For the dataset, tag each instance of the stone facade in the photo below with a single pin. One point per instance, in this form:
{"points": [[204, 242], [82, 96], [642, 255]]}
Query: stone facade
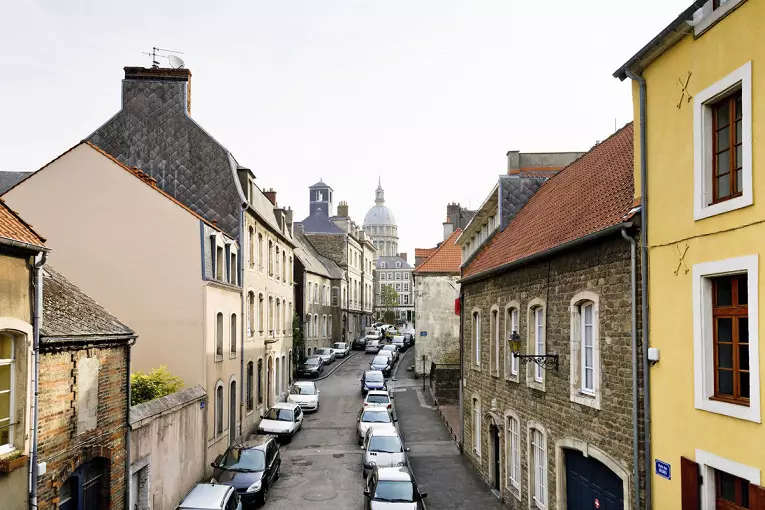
{"points": [[600, 426], [434, 297]]}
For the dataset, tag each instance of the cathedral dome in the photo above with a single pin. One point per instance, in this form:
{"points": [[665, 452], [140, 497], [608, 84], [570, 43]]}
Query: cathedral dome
{"points": [[379, 214]]}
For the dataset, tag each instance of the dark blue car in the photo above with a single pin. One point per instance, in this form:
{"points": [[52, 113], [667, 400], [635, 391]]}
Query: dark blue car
{"points": [[250, 466], [373, 380]]}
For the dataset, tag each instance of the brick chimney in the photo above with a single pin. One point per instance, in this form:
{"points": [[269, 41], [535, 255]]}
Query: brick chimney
{"points": [[403, 256], [163, 85], [342, 209], [271, 196]]}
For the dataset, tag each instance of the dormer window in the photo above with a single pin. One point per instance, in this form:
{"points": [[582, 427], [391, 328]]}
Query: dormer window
{"points": [[382, 265], [398, 264]]}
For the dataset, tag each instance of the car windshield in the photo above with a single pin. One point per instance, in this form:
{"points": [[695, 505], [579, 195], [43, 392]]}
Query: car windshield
{"points": [[339, 346], [400, 492], [380, 360], [303, 389], [374, 342], [385, 444], [238, 459], [373, 377], [311, 361], [398, 340], [388, 348], [378, 399], [321, 350], [279, 414], [375, 417]]}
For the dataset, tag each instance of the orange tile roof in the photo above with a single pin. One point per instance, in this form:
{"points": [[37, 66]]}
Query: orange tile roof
{"points": [[592, 193], [447, 258], [423, 252], [14, 228]]}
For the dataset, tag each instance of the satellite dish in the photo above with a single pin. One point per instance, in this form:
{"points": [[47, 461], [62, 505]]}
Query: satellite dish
{"points": [[175, 62]]}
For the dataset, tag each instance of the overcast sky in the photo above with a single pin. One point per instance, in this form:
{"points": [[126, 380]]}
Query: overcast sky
{"points": [[427, 94]]}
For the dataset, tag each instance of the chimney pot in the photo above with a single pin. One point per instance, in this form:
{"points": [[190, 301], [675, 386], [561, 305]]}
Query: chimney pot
{"points": [[271, 196]]}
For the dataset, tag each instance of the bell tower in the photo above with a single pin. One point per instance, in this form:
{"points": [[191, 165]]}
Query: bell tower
{"points": [[320, 198]]}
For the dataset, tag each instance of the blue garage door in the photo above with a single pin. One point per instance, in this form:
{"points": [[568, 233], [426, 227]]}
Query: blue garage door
{"points": [[591, 485]]}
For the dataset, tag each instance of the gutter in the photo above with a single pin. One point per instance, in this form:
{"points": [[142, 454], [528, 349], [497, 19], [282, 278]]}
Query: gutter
{"points": [[242, 316], [5, 241], [644, 282], [36, 319], [635, 391], [613, 229], [462, 371], [128, 475]]}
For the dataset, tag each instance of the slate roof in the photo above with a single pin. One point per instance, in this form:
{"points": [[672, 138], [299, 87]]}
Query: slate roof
{"points": [[390, 262], [9, 180], [320, 184], [593, 193], [319, 223], [70, 314], [447, 258], [14, 228], [309, 257]]}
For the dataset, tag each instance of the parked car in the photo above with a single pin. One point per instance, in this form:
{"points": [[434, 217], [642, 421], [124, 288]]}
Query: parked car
{"points": [[373, 380], [311, 367], [210, 496], [373, 417], [382, 448], [373, 346], [304, 394], [373, 335], [393, 349], [341, 349], [393, 488], [409, 338], [382, 363], [379, 398], [399, 341], [387, 354], [359, 343], [283, 419], [250, 467], [326, 354]]}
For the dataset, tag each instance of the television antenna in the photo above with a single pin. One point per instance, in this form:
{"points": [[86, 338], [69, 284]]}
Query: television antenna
{"points": [[174, 61]]}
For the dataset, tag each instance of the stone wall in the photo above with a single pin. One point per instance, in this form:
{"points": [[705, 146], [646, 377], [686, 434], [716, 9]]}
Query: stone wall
{"points": [[434, 297], [445, 382], [66, 437], [603, 269], [331, 246]]}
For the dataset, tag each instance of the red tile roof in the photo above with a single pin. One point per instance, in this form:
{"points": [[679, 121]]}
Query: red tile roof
{"points": [[14, 228], [592, 193], [447, 258], [423, 252]]}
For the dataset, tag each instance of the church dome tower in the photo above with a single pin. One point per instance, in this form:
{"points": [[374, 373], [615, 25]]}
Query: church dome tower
{"points": [[380, 226]]}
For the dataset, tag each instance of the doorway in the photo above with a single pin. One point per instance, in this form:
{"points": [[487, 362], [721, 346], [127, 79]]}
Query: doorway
{"points": [[591, 484], [86, 488], [232, 414], [495, 460]]}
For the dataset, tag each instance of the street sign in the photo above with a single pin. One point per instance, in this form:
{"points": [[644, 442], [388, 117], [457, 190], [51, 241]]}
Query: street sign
{"points": [[663, 469], [423, 333]]}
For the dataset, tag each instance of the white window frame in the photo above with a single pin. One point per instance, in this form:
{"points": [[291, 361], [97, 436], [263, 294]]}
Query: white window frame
{"points": [[536, 342], [219, 335], [495, 347], [219, 410], [476, 315], [703, 355], [702, 144], [9, 446], [477, 426], [708, 462], [578, 392], [512, 323], [538, 464], [513, 454]]}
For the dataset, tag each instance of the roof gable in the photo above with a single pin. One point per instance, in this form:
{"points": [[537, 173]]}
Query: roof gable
{"points": [[447, 258], [16, 229]]}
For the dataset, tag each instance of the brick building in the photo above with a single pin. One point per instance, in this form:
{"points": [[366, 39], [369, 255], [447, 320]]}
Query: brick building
{"points": [[84, 401], [557, 273]]}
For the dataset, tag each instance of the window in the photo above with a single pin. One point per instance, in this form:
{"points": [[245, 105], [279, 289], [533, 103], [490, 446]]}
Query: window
{"points": [[310, 289], [270, 316], [382, 276], [398, 276], [725, 337], [220, 259], [260, 313], [398, 264], [251, 244], [284, 266], [382, 264], [324, 326], [276, 263], [292, 272], [727, 484], [406, 299], [477, 339], [335, 296], [722, 117], [731, 492], [398, 287], [494, 329], [260, 381], [250, 377], [513, 453], [316, 325], [511, 326], [219, 409], [316, 293], [588, 348], [233, 335], [406, 276], [250, 313], [7, 371], [232, 270], [260, 252], [477, 427], [219, 336], [406, 287], [390, 276], [538, 468], [585, 350], [278, 318], [308, 326], [330, 326], [539, 340], [717, 3], [270, 258]]}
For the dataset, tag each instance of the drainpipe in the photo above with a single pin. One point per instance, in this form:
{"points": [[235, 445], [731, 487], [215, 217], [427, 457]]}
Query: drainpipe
{"points": [[36, 314], [462, 373], [128, 476], [242, 315], [635, 402], [644, 283]]}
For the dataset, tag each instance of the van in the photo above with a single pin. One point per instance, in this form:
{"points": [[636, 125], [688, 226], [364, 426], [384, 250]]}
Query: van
{"points": [[209, 496]]}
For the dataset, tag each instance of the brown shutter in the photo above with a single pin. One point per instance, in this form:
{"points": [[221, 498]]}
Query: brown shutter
{"points": [[756, 497], [690, 483]]}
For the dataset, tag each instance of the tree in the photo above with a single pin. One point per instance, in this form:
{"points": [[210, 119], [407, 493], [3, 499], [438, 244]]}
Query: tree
{"points": [[157, 383], [298, 341], [389, 300]]}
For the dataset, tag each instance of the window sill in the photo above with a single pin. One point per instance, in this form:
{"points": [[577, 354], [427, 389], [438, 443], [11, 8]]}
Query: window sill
{"points": [[586, 399], [514, 378], [232, 355], [218, 358], [732, 204], [515, 490]]}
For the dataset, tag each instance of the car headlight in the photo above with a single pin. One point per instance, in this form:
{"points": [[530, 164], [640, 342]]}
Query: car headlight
{"points": [[255, 487]]}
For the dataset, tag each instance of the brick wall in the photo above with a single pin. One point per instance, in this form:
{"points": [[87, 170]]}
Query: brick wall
{"points": [[61, 447], [602, 268]]}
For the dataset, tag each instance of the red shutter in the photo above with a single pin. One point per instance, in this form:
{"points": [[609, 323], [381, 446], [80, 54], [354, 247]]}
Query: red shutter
{"points": [[690, 484], [756, 497], [457, 306]]}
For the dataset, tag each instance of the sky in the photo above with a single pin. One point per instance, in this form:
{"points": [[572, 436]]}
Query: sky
{"points": [[426, 95]]}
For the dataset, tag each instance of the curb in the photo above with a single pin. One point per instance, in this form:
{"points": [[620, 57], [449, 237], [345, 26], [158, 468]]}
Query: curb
{"points": [[338, 365]]}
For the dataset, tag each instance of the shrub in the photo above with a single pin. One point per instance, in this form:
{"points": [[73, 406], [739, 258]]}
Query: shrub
{"points": [[157, 383]]}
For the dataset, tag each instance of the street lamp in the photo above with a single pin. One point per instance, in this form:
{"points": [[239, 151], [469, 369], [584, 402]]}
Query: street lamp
{"points": [[545, 361]]}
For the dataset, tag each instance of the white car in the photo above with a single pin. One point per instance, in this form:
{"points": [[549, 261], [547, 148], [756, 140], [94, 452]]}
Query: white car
{"points": [[373, 417], [379, 398], [341, 349], [305, 394], [382, 448], [326, 354], [283, 420]]}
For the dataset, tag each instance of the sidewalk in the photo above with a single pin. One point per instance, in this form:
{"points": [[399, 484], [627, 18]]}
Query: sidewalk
{"points": [[446, 476]]}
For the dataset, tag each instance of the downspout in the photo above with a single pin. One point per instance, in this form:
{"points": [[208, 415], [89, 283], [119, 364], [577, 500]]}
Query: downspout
{"points": [[36, 314], [462, 370], [242, 316], [128, 475], [644, 284], [635, 401]]}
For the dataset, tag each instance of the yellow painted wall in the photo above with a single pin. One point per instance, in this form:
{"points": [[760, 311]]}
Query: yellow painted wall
{"points": [[678, 429]]}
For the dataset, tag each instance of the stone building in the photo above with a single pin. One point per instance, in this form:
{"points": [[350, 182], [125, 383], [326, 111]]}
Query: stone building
{"points": [[556, 427], [436, 288], [395, 272], [84, 401]]}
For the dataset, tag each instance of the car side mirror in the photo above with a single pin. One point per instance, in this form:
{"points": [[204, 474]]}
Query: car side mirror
{"points": [[216, 461], [406, 449], [366, 492], [362, 447], [423, 495], [395, 420]]}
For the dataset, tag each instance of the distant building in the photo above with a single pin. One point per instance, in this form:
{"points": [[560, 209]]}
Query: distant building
{"points": [[395, 272], [380, 225]]}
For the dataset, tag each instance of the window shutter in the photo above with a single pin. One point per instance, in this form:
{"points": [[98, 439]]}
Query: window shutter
{"points": [[690, 483], [756, 497]]}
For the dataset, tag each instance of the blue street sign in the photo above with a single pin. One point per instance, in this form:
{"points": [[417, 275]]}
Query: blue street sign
{"points": [[663, 469], [201, 404], [423, 333]]}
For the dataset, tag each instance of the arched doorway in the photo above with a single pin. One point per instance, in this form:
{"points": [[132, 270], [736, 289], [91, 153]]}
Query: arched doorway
{"points": [[269, 383], [591, 484], [278, 380], [232, 414], [496, 475], [87, 488]]}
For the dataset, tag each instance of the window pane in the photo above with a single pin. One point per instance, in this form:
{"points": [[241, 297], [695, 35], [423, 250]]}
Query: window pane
{"points": [[723, 139], [724, 292], [743, 330], [5, 347], [738, 131], [725, 382], [725, 355], [727, 485], [725, 329], [588, 378], [738, 106], [723, 116], [744, 384], [743, 290], [738, 156], [739, 181]]}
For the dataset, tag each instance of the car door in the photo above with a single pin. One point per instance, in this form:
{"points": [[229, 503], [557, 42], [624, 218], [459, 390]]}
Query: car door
{"points": [[298, 418], [271, 450]]}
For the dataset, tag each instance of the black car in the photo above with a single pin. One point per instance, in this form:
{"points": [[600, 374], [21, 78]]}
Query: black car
{"points": [[408, 339], [311, 367], [372, 380], [250, 466], [359, 343], [399, 340]]}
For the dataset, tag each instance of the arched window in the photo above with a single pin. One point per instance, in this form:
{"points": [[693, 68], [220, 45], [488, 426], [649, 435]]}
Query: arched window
{"points": [[232, 405], [276, 262], [250, 383], [260, 314], [251, 239], [285, 377], [250, 313], [513, 452], [278, 318], [284, 266], [233, 334], [291, 319], [494, 340], [308, 326], [330, 326], [277, 377], [219, 409], [260, 252], [316, 325], [316, 293], [289, 372], [585, 349], [270, 258], [511, 326], [270, 316], [538, 466], [324, 326], [292, 272], [477, 427], [219, 336], [537, 340], [260, 381], [477, 339], [310, 290]]}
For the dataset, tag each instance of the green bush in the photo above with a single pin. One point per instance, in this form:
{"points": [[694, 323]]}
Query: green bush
{"points": [[157, 383]]}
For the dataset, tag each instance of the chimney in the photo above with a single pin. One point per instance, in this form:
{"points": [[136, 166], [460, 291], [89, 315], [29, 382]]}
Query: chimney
{"points": [[448, 228], [513, 162], [271, 196], [403, 256], [342, 209], [174, 83]]}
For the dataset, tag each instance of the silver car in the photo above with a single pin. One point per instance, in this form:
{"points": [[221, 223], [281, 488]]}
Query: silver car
{"points": [[373, 417], [326, 354], [373, 346], [208, 496], [393, 349], [382, 448], [392, 488]]}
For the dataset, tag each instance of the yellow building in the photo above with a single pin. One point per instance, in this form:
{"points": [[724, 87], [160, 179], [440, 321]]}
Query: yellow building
{"points": [[694, 86]]}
